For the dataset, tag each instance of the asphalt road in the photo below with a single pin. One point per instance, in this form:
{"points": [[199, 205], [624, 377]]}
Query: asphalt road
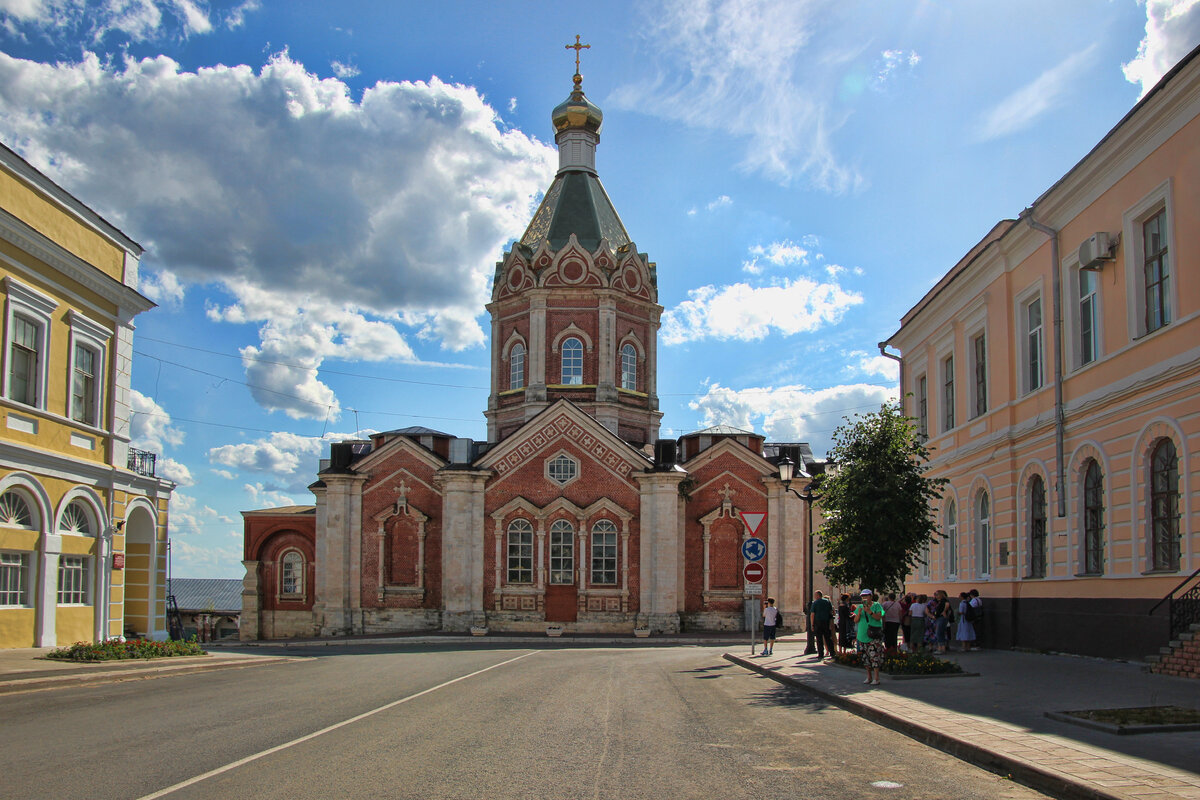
{"points": [[675, 722]]}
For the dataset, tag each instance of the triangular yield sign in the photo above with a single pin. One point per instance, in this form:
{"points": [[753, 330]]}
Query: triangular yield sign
{"points": [[753, 520]]}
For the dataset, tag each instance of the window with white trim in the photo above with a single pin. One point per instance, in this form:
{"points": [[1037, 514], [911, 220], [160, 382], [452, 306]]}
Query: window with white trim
{"points": [[77, 519], [520, 551], [572, 362], [89, 340], [950, 545], [1156, 271], [516, 367], [14, 579], [1088, 322], [1164, 507], [604, 552], [1034, 366], [14, 511], [291, 574], [629, 367], [562, 553], [983, 523], [27, 344], [1093, 519], [923, 407], [562, 469], [73, 580], [979, 370], [948, 393], [1147, 234], [1037, 527]]}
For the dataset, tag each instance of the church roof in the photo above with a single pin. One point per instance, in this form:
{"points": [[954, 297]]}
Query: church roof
{"points": [[575, 203], [414, 430], [208, 594]]}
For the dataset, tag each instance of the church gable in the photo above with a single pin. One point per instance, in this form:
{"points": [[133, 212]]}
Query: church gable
{"points": [[559, 424]]}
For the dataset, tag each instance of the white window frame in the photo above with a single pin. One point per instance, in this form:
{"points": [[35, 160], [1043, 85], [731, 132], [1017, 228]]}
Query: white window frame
{"points": [[89, 335], [519, 551], [562, 553], [947, 406], [89, 514], [79, 593], [516, 366], [1075, 316], [974, 411], [558, 461], [950, 549], [575, 375], [1135, 279], [283, 574], [983, 534], [921, 398], [604, 552], [1027, 344], [629, 367], [36, 308], [15, 565]]}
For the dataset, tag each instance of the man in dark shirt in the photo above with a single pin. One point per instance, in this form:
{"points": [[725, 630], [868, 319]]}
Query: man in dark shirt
{"points": [[820, 620]]}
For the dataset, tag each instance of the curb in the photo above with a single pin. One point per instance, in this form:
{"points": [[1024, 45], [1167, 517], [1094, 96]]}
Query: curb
{"points": [[1015, 769], [479, 641], [47, 682]]}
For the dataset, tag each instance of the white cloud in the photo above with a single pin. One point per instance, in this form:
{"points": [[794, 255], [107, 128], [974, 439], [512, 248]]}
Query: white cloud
{"points": [[345, 71], [174, 470], [746, 313], [395, 206], [723, 201], [150, 426], [778, 254], [289, 459], [224, 473], [890, 63], [161, 286], [194, 560], [794, 413], [752, 69], [1019, 110], [264, 497], [1172, 31], [187, 516], [886, 368], [135, 20]]}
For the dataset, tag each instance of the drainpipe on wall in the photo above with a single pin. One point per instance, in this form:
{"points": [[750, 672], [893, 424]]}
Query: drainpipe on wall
{"points": [[899, 360], [1059, 416]]}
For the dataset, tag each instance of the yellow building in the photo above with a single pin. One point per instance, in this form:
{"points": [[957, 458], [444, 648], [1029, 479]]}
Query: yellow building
{"points": [[1056, 373], [83, 519]]}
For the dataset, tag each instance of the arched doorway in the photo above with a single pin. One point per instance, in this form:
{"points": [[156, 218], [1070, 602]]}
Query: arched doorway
{"points": [[141, 575]]}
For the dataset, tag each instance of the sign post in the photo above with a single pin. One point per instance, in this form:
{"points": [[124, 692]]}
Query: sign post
{"points": [[754, 550]]}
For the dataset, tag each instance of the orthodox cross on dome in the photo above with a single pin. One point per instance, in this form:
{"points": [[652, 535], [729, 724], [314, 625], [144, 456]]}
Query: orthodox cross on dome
{"points": [[577, 47]]}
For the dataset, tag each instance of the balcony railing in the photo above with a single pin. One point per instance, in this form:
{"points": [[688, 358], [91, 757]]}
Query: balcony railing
{"points": [[142, 462]]}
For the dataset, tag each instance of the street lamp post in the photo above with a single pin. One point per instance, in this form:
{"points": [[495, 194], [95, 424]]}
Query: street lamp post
{"points": [[787, 469]]}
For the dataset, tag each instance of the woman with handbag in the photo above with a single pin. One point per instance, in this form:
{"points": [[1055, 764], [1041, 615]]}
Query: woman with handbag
{"points": [[869, 619]]}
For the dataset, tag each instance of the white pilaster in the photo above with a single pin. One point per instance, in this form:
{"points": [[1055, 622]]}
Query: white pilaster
{"points": [[463, 533], [661, 550], [47, 606]]}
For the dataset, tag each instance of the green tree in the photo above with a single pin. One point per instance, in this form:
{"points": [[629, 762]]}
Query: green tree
{"points": [[877, 502]]}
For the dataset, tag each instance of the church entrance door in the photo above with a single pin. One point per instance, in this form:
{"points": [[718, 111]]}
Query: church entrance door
{"points": [[561, 597]]}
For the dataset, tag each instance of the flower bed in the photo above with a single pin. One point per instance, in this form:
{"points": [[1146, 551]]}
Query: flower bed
{"points": [[116, 650], [898, 663]]}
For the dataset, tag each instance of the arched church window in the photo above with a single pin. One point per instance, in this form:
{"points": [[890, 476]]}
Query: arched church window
{"points": [[291, 574], [1093, 519], [572, 362], [516, 367], [629, 367], [520, 551]]}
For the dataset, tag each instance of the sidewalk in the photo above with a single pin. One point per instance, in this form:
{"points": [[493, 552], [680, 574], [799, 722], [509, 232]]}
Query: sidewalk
{"points": [[27, 670], [997, 720]]}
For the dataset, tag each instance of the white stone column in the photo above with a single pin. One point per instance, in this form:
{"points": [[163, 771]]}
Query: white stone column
{"points": [[606, 328], [339, 545], [464, 529], [250, 625], [536, 356], [661, 550], [47, 600], [786, 557]]}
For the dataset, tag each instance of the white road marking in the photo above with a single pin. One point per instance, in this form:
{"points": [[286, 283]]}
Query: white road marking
{"points": [[243, 761]]}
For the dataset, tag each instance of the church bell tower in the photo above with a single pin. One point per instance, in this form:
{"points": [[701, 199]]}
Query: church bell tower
{"points": [[574, 308]]}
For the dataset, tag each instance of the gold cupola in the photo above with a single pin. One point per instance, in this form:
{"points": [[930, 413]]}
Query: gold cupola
{"points": [[577, 112]]}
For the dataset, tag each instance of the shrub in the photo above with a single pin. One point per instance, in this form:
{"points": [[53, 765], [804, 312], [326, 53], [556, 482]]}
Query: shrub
{"points": [[116, 650], [898, 663]]}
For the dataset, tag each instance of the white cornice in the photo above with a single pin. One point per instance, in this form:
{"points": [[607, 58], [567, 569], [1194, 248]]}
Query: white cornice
{"points": [[25, 171], [56, 465], [44, 249]]}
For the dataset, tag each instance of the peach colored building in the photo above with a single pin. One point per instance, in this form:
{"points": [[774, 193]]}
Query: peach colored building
{"points": [[1056, 372]]}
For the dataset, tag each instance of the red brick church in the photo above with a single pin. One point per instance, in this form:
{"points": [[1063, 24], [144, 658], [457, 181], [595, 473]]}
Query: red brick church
{"points": [[573, 513]]}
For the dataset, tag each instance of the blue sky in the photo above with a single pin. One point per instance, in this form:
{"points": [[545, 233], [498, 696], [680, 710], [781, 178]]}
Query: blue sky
{"points": [[323, 190]]}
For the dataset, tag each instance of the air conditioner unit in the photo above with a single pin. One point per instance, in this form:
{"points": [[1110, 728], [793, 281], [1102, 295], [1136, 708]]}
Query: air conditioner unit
{"points": [[1095, 250]]}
